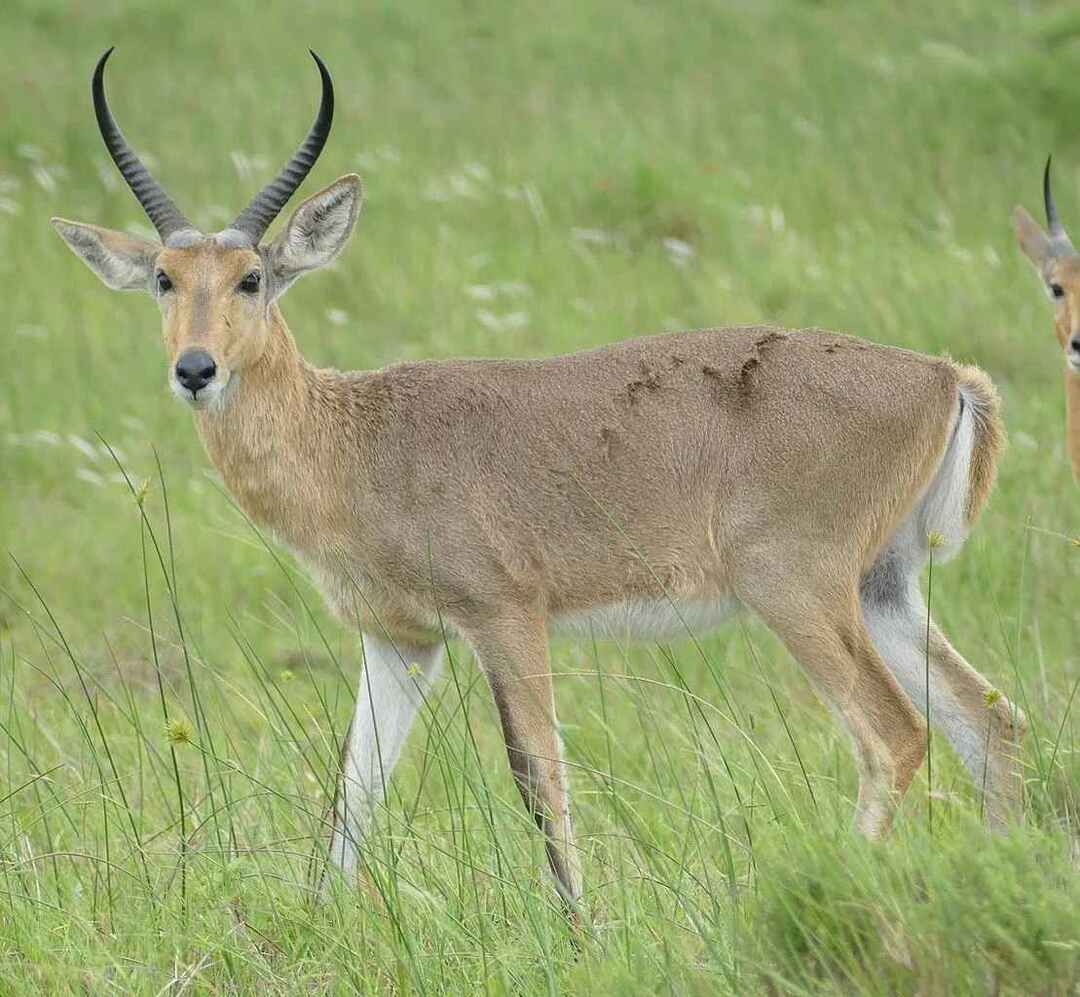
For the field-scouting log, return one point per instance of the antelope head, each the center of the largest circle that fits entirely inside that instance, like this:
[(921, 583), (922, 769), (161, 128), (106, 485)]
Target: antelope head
[(216, 291), (1058, 264)]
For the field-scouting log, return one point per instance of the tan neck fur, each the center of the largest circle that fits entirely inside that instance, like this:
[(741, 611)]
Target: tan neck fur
[(1072, 420), (271, 438)]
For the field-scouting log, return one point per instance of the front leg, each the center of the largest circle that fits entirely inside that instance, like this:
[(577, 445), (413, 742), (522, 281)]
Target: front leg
[(395, 680)]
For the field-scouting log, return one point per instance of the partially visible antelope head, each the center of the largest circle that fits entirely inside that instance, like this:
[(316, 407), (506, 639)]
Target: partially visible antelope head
[(216, 291), (1059, 266)]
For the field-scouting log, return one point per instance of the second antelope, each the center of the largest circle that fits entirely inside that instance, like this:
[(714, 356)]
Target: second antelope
[(1058, 264), (647, 489)]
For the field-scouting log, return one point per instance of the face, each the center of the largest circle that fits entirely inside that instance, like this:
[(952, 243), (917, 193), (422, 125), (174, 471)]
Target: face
[(214, 313), (1062, 277), (215, 292), (1058, 266)]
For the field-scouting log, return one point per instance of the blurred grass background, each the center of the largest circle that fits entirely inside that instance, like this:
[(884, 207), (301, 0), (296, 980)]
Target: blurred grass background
[(538, 179)]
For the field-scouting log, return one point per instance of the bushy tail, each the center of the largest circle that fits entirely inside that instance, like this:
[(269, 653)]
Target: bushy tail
[(982, 401), (962, 483)]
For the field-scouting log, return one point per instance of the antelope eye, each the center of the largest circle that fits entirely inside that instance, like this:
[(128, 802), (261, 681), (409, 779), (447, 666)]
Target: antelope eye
[(250, 284), (163, 282), (1057, 290)]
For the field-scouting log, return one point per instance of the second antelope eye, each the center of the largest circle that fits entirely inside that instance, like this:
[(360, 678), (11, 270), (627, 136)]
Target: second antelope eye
[(1057, 290), (163, 282), (250, 284)]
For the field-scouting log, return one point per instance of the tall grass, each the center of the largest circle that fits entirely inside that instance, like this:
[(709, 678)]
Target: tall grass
[(173, 691)]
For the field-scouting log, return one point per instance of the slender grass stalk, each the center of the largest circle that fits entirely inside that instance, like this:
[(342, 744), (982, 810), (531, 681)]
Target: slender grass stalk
[(164, 704)]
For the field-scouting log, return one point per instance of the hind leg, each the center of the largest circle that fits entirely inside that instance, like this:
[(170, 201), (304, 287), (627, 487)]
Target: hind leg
[(514, 656), (982, 726), (829, 640)]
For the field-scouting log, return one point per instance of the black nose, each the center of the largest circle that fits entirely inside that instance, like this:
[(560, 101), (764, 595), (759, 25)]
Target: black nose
[(1075, 343), (195, 369)]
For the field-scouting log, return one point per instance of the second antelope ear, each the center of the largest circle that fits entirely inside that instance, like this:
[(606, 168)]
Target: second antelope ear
[(1033, 240), (124, 262), (317, 231)]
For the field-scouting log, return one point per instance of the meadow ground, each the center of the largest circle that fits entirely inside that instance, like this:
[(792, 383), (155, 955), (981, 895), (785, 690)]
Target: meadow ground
[(539, 179)]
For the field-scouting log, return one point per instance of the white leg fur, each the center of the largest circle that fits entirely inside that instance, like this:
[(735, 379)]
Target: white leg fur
[(390, 694), (899, 632), (984, 734)]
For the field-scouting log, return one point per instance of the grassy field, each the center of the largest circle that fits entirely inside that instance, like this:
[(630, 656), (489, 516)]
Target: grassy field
[(539, 179)]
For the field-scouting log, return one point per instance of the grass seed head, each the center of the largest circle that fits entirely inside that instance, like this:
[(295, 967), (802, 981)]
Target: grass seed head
[(178, 731)]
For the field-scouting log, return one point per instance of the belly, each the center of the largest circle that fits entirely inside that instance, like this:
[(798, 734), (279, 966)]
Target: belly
[(647, 619)]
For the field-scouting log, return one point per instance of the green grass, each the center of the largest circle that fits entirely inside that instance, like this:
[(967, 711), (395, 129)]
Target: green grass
[(845, 164)]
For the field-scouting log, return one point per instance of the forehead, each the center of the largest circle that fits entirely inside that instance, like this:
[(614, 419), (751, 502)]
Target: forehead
[(1067, 268), (207, 258)]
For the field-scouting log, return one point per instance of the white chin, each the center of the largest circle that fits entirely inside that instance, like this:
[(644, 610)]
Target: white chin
[(1074, 363), (207, 398)]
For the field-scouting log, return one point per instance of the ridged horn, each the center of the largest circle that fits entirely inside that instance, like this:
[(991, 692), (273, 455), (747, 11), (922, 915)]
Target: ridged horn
[(255, 219), (158, 206), (1058, 234)]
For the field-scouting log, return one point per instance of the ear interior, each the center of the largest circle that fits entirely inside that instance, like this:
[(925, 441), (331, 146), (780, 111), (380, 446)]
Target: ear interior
[(124, 262), (1033, 240), (317, 231)]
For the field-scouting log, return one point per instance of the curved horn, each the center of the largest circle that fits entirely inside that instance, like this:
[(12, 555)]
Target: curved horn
[(1057, 230), (155, 202), (255, 219)]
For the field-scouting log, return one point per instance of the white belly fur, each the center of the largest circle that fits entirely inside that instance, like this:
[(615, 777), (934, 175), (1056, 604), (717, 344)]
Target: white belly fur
[(647, 619)]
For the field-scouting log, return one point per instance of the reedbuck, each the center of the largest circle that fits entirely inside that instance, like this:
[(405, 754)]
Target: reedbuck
[(1058, 264), (644, 489)]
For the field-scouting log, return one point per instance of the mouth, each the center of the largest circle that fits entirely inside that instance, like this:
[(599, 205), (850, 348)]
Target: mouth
[(1073, 360), (209, 397)]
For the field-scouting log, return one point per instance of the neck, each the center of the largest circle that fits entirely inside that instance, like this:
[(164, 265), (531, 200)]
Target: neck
[(263, 438), (1072, 419)]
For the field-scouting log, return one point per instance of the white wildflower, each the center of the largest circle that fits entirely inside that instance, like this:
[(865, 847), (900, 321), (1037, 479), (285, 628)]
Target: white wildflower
[(478, 171), (31, 331), (90, 476), (680, 252), (107, 174), (595, 236), (43, 175), (85, 447), (248, 164), (463, 186), (502, 323)]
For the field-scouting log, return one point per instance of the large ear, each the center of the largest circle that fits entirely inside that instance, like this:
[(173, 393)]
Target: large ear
[(316, 233), (124, 262), (1033, 240)]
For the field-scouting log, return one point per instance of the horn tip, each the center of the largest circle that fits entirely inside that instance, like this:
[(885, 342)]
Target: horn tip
[(323, 71), (99, 69)]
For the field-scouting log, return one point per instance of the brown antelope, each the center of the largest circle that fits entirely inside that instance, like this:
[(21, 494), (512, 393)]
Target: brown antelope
[(1058, 264), (644, 489)]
